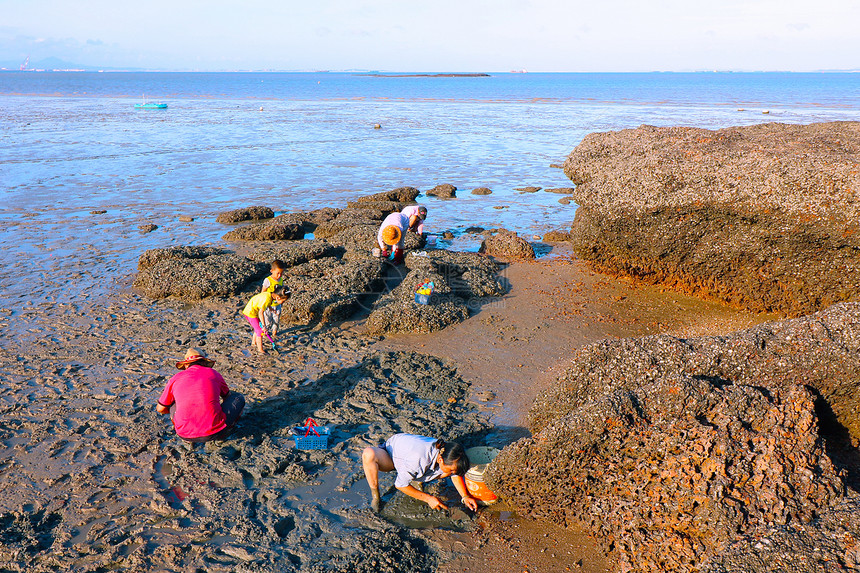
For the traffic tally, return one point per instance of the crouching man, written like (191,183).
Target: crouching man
(198,400)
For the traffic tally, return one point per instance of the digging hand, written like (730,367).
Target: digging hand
(435,503)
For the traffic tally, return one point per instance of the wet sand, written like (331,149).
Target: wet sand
(511,350)
(100,480)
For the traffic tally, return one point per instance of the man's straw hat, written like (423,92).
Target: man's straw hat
(194,356)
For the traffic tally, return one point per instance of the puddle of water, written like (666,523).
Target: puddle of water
(174,495)
(79,535)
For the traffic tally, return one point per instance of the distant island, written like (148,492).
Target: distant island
(377,75)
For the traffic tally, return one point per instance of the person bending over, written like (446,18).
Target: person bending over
(417,214)
(390,236)
(255,309)
(417,459)
(201,406)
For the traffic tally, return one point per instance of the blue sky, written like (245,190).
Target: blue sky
(436,35)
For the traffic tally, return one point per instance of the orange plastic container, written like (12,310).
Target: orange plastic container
(480,458)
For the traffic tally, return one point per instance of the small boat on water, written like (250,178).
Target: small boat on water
(150,105)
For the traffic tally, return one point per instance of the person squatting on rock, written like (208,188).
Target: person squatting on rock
(391,234)
(271,316)
(416,214)
(257,306)
(198,400)
(417,459)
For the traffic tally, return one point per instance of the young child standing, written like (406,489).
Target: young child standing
(277,277)
(271,316)
(257,306)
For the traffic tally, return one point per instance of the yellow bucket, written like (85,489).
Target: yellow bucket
(480,458)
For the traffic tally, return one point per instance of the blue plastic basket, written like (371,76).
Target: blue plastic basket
(422,298)
(311,441)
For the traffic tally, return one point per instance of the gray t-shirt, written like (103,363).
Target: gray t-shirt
(414,458)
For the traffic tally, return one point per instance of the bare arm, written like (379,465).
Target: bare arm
(162,409)
(465,496)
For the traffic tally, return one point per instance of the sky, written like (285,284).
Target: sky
(436,35)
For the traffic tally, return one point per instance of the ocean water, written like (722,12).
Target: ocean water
(72,143)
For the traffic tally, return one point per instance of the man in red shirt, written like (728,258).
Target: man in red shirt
(193,397)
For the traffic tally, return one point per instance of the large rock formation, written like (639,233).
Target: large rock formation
(291,253)
(330,289)
(333,275)
(286,227)
(821,351)
(270,231)
(675,452)
(764,217)
(193,273)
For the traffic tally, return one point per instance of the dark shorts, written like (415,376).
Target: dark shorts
(232,407)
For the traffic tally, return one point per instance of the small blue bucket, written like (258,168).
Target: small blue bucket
(422,298)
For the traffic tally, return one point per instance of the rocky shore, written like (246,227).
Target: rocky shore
(730,453)
(101,480)
(728,449)
(764,217)
(671,451)
(334,275)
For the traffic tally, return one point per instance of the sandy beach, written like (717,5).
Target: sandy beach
(513,350)
(101,481)
(114,261)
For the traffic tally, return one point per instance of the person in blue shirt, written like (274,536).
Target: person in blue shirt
(418,459)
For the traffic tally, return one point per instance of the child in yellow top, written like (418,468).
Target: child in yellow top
(257,305)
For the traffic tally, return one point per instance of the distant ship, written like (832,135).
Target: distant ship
(150,105)
(519,71)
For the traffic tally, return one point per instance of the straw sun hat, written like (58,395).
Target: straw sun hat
(194,356)
(391,235)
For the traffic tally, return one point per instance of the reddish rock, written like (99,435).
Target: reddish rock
(270,231)
(677,451)
(556,236)
(400,195)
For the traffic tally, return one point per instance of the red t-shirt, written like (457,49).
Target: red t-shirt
(197,392)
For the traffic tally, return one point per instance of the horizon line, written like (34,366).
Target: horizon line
(92,69)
